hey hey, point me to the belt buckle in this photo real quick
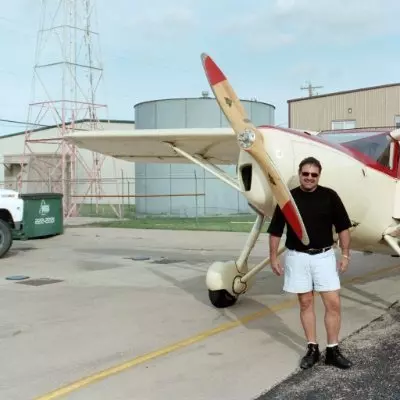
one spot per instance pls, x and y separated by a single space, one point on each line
314 251
318 251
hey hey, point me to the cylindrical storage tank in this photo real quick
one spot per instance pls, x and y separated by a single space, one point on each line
199 192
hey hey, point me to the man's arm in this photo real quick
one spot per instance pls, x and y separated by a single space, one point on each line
273 246
342 223
344 242
275 231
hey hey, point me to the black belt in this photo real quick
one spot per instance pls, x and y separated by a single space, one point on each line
314 251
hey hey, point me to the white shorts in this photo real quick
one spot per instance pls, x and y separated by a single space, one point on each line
305 272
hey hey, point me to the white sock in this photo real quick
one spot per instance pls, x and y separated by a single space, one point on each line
332 345
312 343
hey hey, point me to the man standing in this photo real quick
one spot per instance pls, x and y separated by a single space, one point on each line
313 267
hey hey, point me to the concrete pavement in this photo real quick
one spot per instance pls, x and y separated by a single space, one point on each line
116 327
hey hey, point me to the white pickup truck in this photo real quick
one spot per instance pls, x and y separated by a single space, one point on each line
11 212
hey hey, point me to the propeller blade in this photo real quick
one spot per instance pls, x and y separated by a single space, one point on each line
251 140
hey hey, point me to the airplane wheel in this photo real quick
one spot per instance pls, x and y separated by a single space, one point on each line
221 298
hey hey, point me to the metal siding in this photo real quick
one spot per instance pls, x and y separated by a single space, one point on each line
192 179
168 179
260 113
196 111
147 116
370 108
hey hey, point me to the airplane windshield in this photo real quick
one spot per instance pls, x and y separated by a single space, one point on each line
373 144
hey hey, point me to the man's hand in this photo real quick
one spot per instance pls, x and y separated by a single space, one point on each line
344 240
273 254
343 264
276 267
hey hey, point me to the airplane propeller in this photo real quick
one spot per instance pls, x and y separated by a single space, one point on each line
251 140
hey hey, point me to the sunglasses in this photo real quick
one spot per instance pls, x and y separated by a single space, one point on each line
313 174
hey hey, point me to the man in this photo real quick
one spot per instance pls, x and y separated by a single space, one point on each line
313 267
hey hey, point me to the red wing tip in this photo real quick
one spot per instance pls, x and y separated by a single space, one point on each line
214 74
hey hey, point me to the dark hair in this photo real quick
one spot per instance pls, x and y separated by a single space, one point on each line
310 160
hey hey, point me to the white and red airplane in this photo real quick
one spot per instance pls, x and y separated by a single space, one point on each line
362 165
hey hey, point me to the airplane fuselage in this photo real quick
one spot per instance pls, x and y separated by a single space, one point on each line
368 192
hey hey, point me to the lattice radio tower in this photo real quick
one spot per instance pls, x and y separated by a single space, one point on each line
67 77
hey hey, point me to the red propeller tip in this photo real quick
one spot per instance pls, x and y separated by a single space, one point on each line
214 74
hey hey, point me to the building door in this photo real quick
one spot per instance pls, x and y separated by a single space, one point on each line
343 124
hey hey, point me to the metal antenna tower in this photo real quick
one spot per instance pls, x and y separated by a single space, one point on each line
67 76
310 89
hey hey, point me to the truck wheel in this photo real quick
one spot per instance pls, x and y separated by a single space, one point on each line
5 238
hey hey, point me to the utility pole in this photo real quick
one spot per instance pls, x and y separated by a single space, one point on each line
310 89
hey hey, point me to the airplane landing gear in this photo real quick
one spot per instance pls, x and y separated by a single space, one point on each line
226 281
221 298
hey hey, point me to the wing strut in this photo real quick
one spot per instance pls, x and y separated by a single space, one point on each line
210 167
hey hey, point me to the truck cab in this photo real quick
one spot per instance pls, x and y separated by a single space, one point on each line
11 214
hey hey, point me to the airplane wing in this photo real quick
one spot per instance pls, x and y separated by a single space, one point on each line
204 147
216 145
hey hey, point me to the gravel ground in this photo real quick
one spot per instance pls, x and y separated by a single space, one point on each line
375 351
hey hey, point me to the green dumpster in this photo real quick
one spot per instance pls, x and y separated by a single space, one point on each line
43 215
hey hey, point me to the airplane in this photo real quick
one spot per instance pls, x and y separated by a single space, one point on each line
361 165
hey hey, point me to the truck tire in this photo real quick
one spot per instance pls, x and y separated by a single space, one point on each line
6 238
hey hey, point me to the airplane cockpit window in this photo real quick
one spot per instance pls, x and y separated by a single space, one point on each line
375 145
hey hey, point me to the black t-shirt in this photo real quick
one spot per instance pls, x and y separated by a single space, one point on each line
321 210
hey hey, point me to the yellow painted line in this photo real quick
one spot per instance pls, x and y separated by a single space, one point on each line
168 349
187 342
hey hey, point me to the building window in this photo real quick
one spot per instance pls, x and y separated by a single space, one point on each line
397 121
344 124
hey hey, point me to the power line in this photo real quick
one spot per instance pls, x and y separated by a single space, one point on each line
310 89
23 123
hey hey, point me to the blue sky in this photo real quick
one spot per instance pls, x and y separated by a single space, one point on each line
267 48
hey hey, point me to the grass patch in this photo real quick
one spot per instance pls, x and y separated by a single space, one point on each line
106 211
226 223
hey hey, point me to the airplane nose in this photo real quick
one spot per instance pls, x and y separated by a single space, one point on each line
253 184
251 177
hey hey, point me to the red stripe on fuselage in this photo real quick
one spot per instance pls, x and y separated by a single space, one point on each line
367 161
290 214
214 74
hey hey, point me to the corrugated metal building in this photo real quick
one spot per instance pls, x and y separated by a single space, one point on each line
376 106
193 191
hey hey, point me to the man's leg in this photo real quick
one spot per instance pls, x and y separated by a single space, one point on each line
297 279
327 283
332 319
307 315
308 321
